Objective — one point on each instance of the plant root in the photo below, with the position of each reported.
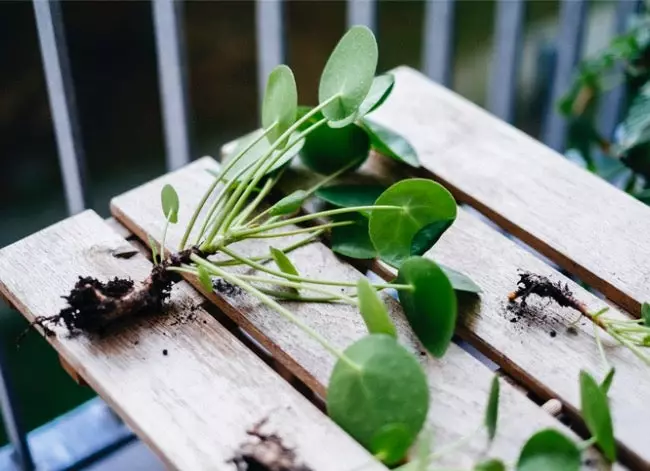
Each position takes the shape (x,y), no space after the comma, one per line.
(531,283)
(266,453)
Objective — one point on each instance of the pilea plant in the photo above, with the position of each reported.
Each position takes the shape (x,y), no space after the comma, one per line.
(377,391)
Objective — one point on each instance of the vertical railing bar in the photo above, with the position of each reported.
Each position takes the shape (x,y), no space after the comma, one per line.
(362,12)
(573,15)
(269,26)
(505,61)
(168,27)
(60,91)
(438,40)
(11,418)
(610,109)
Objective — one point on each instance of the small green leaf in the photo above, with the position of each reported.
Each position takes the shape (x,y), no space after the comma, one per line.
(378,385)
(381,87)
(154,249)
(490,465)
(283,262)
(460,281)
(289,204)
(595,411)
(280,104)
(205,279)
(645,313)
(426,237)
(328,150)
(431,306)
(492,409)
(169,200)
(607,382)
(346,196)
(349,73)
(419,203)
(352,240)
(373,310)
(549,450)
(389,143)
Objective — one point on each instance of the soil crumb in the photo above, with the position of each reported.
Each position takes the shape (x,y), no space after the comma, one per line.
(552,333)
(165,352)
(225,287)
(266,453)
(531,283)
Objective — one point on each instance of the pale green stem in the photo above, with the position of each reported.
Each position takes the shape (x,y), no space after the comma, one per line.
(291,277)
(634,348)
(454,445)
(211,188)
(297,297)
(587,443)
(215,209)
(331,177)
(302,230)
(263,298)
(268,185)
(308,217)
(164,237)
(599,344)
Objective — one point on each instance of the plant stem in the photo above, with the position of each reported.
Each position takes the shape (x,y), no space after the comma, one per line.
(634,348)
(297,297)
(235,280)
(302,230)
(308,217)
(268,185)
(454,445)
(164,237)
(599,344)
(587,443)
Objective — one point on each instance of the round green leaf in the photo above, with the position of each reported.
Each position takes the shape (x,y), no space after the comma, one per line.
(258,151)
(205,279)
(349,73)
(460,281)
(426,237)
(492,409)
(350,195)
(549,450)
(391,440)
(343,122)
(383,387)
(379,91)
(373,310)
(289,204)
(327,150)
(352,240)
(420,203)
(391,144)
(430,306)
(170,203)
(490,465)
(280,104)
(595,411)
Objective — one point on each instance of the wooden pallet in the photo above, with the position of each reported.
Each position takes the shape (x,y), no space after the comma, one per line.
(191,385)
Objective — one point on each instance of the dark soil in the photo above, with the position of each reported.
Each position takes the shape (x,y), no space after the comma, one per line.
(266,453)
(225,287)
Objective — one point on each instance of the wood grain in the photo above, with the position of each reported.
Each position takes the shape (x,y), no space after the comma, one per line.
(459,383)
(192,405)
(570,215)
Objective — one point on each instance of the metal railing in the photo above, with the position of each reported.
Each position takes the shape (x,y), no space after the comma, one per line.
(437,40)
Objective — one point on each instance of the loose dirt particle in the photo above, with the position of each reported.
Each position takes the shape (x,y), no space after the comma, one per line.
(552,333)
(226,288)
(165,352)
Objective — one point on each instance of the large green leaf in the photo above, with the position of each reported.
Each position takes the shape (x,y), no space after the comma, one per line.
(347,195)
(170,203)
(373,310)
(381,87)
(280,102)
(549,450)
(430,306)
(382,392)
(595,411)
(327,150)
(635,129)
(353,240)
(349,73)
(389,143)
(419,203)
(460,281)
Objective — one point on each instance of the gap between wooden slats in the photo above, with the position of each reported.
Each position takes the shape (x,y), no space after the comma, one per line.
(269,35)
(438,40)
(458,383)
(506,59)
(192,405)
(568,46)
(362,12)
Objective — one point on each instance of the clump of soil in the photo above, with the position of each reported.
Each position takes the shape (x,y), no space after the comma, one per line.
(266,453)
(225,287)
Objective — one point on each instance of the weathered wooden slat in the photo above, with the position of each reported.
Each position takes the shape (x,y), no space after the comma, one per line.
(458,382)
(571,216)
(180,380)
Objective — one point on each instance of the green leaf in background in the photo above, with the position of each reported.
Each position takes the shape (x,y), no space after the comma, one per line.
(430,306)
(460,281)
(490,465)
(170,203)
(347,196)
(419,202)
(380,89)
(205,279)
(549,450)
(328,150)
(302,111)
(283,262)
(280,102)
(645,313)
(426,237)
(352,240)
(289,204)
(383,387)
(607,381)
(258,151)
(492,409)
(373,310)
(635,129)
(595,412)
(349,73)
(391,144)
